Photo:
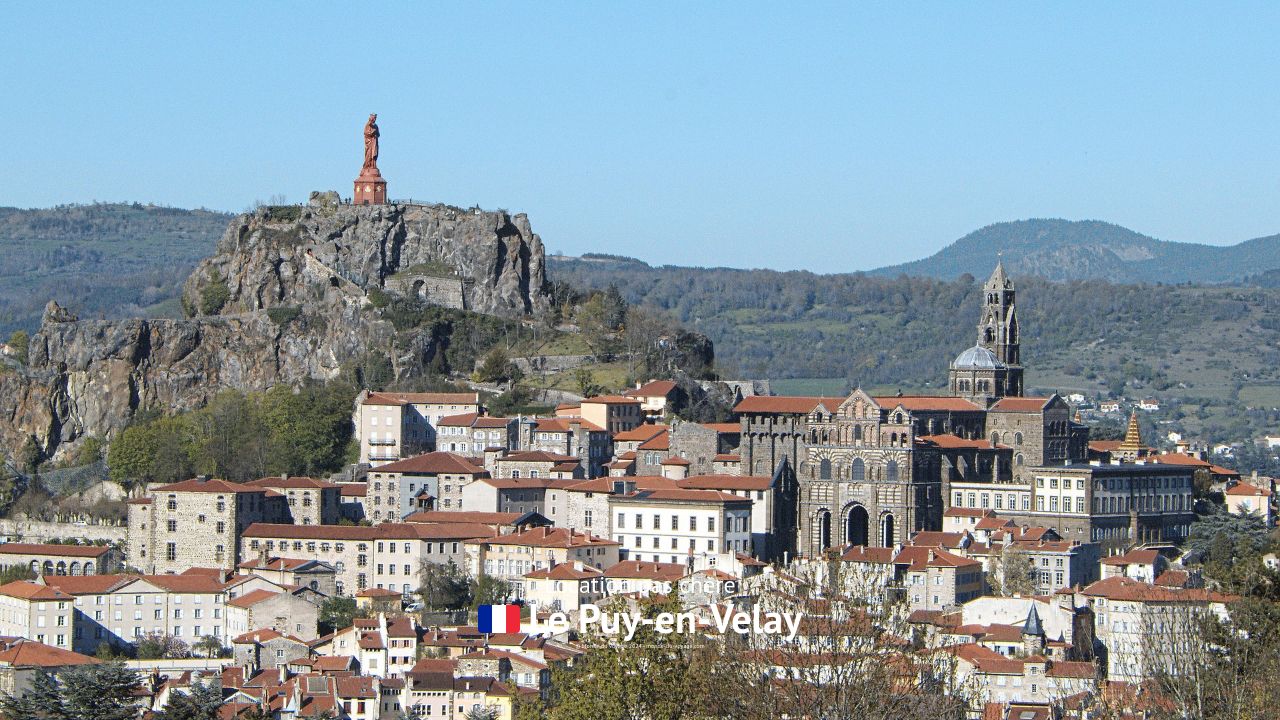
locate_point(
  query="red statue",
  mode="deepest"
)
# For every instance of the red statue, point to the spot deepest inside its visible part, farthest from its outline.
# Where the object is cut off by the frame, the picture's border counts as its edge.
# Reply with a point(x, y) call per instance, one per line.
point(371, 143)
point(370, 188)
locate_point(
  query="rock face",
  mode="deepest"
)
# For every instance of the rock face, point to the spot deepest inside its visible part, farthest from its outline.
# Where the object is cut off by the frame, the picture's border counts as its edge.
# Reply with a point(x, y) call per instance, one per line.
point(295, 306)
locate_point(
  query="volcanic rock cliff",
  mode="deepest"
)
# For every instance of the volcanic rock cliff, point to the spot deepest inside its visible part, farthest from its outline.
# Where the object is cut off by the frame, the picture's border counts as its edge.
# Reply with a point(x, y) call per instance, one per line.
point(288, 295)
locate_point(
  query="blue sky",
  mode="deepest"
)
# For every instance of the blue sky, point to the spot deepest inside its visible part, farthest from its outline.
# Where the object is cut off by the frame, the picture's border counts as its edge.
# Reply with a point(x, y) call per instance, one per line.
point(830, 137)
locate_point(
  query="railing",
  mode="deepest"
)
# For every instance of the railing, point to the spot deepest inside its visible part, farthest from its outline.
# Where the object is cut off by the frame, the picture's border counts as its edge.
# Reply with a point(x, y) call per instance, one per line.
point(383, 442)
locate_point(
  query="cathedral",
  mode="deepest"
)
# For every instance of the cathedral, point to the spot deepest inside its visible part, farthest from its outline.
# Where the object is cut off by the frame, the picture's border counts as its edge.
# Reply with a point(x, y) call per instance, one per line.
point(872, 470)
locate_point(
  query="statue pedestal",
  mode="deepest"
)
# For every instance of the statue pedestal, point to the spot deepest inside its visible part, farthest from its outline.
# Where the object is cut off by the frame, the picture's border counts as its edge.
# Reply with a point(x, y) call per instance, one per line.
point(371, 189)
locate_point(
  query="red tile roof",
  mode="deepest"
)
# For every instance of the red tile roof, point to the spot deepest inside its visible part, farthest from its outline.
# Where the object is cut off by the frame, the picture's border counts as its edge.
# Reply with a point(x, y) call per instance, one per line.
point(661, 441)
point(1020, 404)
point(292, 482)
point(634, 569)
point(864, 554)
point(32, 591)
point(565, 571)
point(783, 404)
point(28, 653)
point(640, 433)
point(1122, 588)
point(653, 388)
point(1138, 557)
point(463, 516)
point(252, 598)
point(432, 463)
point(683, 495)
point(538, 456)
point(944, 403)
point(611, 400)
point(88, 584)
point(354, 489)
point(1241, 489)
point(209, 486)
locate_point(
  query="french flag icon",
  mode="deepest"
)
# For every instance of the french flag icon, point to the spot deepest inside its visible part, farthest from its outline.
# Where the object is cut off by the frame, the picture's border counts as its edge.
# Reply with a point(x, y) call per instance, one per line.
point(499, 618)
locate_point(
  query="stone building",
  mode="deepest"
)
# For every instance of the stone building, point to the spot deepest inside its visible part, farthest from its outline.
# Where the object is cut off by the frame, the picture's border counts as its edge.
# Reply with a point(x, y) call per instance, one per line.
point(196, 523)
point(702, 443)
point(395, 425)
point(54, 559)
point(395, 490)
point(309, 501)
point(871, 470)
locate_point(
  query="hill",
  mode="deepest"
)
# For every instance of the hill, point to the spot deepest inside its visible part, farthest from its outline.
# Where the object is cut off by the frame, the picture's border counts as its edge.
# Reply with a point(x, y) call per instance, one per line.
point(109, 260)
point(1209, 351)
point(1091, 250)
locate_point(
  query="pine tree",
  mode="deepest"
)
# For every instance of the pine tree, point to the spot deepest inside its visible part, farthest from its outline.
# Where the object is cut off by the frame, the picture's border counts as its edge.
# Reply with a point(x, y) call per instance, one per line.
point(41, 701)
point(99, 692)
point(201, 703)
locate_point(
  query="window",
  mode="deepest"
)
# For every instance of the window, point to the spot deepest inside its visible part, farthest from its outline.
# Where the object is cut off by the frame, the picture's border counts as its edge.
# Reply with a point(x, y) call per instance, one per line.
point(172, 525)
point(171, 551)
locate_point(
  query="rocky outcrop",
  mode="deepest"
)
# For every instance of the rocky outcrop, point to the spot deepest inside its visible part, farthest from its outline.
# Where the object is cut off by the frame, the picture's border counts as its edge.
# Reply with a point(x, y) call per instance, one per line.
point(295, 306)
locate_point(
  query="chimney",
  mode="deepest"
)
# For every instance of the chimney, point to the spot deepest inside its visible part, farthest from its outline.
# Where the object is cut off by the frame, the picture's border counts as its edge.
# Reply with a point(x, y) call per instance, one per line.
point(202, 478)
point(283, 673)
point(284, 476)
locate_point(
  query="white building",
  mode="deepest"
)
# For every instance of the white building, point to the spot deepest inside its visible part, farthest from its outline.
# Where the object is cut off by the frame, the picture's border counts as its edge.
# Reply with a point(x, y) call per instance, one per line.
point(393, 425)
point(681, 525)
point(36, 612)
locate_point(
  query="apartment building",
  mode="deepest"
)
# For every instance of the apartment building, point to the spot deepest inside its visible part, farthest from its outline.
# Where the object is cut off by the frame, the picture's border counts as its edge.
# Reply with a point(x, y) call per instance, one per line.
point(387, 556)
point(584, 504)
point(574, 437)
point(1125, 503)
point(534, 464)
point(939, 580)
point(681, 525)
point(298, 572)
point(392, 425)
point(196, 523)
point(472, 434)
point(434, 479)
point(510, 557)
point(614, 413)
point(36, 612)
point(309, 501)
point(282, 612)
point(121, 609)
point(770, 515)
point(655, 397)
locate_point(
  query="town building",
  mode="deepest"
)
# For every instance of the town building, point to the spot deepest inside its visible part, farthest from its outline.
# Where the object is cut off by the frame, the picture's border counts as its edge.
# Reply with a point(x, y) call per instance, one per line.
point(1241, 499)
point(37, 612)
point(58, 559)
point(422, 482)
point(309, 501)
point(681, 525)
point(656, 398)
point(471, 433)
point(511, 557)
point(196, 523)
point(395, 425)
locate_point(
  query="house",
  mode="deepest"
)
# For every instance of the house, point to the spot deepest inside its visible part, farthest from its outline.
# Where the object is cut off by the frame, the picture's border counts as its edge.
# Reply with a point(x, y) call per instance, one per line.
point(573, 437)
point(267, 649)
point(655, 397)
point(935, 579)
point(22, 659)
point(614, 413)
point(295, 572)
point(1241, 499)
point(1143, 565)
point(471, 433)
point(309, 501)
point(396, 489)
point(1137, 624)
point(644, 578)
point(280, 611)
point(38, 612)
point(565, 587)
point(510, 557)
point(769, 511)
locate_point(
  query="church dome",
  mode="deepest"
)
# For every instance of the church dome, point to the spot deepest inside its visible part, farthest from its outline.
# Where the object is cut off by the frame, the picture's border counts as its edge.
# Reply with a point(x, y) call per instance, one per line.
point(977, 357)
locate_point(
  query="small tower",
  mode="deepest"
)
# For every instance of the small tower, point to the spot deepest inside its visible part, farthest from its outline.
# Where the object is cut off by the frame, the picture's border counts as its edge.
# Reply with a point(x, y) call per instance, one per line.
point(1033, 633)
point(1132, 448)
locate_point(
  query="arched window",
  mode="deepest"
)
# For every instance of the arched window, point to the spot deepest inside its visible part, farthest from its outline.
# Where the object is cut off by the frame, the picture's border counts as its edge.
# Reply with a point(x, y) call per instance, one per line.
point(857, 432)
point(891, 471)
point(824, 469)
point(1017, 438)
point(858, 470)
point(48, 567)
point(1018, 459)
point(75, 568)
point(897, 418)
point(995, 438)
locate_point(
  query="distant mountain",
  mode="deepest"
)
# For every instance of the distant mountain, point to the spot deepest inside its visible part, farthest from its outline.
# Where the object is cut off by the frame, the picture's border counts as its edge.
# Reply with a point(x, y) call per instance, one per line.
point(1091, 250)
point(114, 260)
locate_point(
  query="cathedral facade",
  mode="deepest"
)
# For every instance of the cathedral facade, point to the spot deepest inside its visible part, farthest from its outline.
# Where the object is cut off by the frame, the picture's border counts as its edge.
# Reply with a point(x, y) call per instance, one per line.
point(872, 470)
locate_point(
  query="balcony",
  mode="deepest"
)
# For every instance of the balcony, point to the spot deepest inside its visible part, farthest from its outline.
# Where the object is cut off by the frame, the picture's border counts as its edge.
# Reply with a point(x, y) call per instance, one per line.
point(383, 441)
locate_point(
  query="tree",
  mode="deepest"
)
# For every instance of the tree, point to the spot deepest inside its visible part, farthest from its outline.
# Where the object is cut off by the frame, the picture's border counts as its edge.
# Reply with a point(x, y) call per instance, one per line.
point(489, 590)
point(201, 703)
point(99, 692)
point(160, 645)
point(209, 646)
point(10, 573)
point(1018, 572)
point(338, 612)
point(30, 455)
point(20, 344)
point(585, 382)
point(483, 712)
point(444, 587)
point(496, 366)
point(214, 296)
point(42, 701)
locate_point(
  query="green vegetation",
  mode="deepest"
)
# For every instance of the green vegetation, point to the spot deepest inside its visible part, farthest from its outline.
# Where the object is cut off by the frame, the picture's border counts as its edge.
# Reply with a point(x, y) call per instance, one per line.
point(284, 213)
point(214, 295)
point(113, 260)
point(20, 344)
point(283, 315)
point(81, 692)
point(240, 436)
point(337, 612)
point(444, 587)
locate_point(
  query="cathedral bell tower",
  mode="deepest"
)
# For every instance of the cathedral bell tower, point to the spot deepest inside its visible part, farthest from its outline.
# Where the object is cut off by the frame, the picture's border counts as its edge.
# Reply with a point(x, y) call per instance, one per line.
point(992, 368)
